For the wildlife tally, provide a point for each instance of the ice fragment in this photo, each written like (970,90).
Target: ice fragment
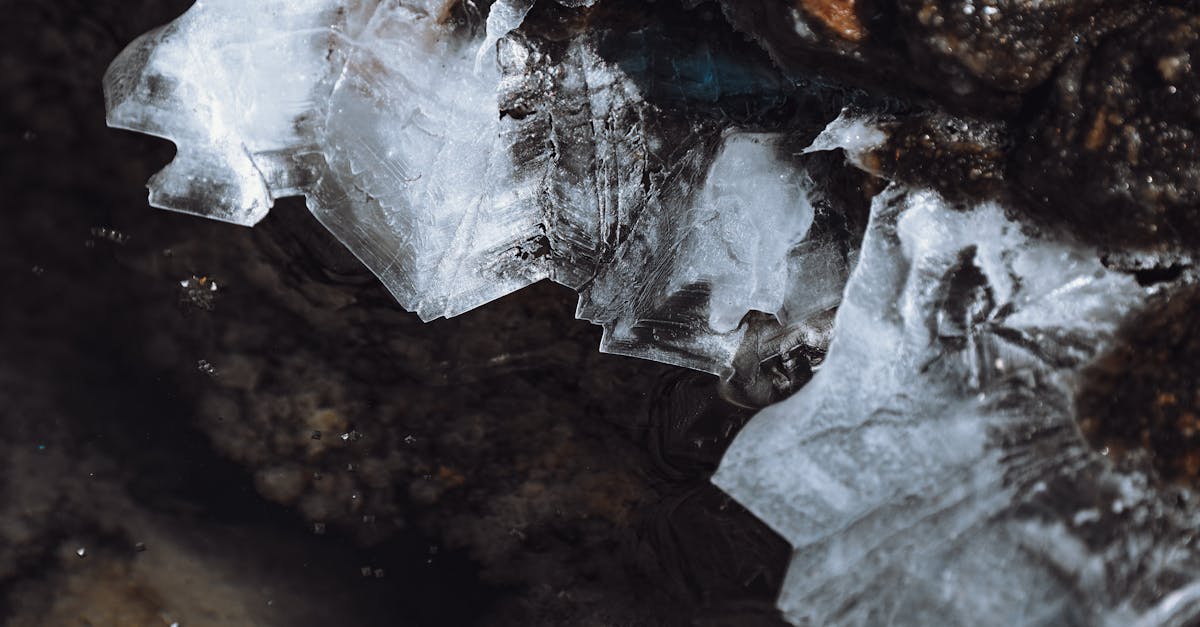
(911,474)
(931,472)
(461,163)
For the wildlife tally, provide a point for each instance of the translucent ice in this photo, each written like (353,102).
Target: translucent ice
(853,132)
(931,472)
(461,159)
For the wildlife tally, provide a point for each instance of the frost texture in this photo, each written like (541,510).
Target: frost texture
(461,164)
(931,472)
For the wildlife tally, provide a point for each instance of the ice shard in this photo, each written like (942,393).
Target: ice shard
(932,471)
(462,159)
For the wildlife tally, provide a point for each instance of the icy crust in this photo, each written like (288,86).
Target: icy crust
(230,83)
(463,162)
(931,472)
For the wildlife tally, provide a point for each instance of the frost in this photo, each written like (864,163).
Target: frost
(752,211)
(911,473)
(852,132)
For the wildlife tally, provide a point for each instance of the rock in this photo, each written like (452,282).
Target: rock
(1113,157)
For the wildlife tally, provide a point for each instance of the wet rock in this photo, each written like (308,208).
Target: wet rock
(1008,45)
(1114,155)
(963,158)
(1141,401)
(838,17)
(975,55)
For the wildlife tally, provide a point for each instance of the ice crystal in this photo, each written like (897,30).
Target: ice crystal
(930,473)
(461,162)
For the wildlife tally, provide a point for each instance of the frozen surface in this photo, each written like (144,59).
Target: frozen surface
(931,472)
(462,159)
(853,132)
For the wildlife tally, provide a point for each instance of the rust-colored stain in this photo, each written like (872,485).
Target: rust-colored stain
(838,16)
(1098,135)
(450,477)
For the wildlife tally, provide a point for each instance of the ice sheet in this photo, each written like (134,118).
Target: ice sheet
(932,472)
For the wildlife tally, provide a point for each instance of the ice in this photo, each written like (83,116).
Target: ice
(930,473)
(229,82)
(462,158)
(752,211)
(855,133)
(911,474)
(740,246)
(503,18)
(412,152)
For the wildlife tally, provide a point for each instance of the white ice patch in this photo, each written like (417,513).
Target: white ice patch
(898,472)
(230,83)
(751,213)
(855,133)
